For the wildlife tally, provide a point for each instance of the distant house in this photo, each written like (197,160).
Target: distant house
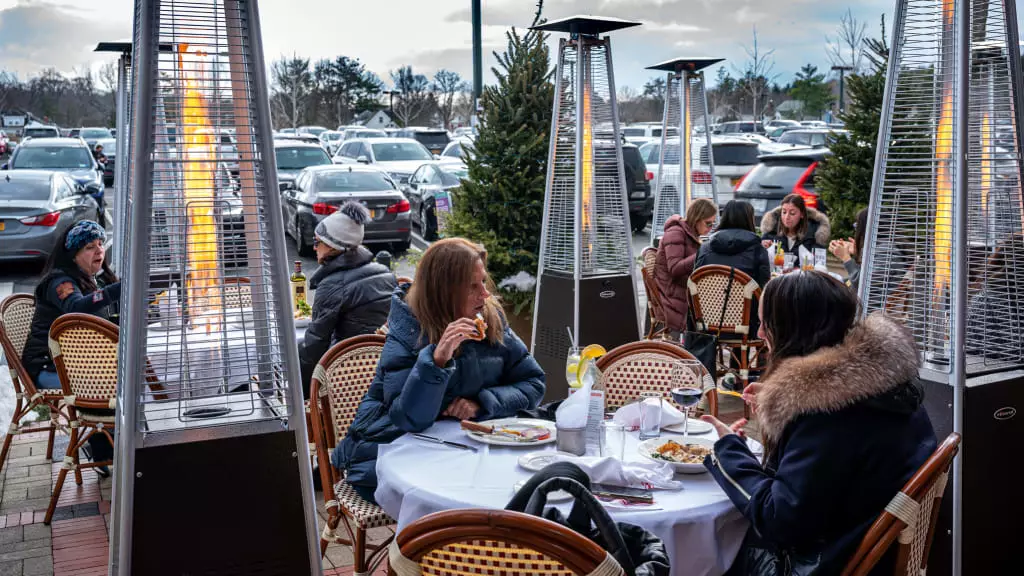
(378,119)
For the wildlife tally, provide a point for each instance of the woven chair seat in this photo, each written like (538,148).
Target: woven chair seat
(365,514)
(94,416)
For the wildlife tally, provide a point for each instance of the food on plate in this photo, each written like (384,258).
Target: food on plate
(303,309)
(673,451)
(481,328)
(519,434)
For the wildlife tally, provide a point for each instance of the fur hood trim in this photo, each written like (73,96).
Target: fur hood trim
(877,356)
(771,219)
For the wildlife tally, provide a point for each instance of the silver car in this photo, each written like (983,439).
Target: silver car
(36,208)
(318,191)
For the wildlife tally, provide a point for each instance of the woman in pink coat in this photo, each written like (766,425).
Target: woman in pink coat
(676,255)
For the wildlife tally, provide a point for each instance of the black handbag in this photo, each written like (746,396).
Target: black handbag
(703,345)
(639,552)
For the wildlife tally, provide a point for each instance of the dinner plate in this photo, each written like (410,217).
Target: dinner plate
(513,424)
(537,461)
(556,496)
(696,427)
(647,447)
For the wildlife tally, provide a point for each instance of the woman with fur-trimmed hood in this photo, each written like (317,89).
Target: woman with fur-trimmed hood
(840,409)
(794,225)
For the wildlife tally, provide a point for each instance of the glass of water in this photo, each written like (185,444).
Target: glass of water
(613,440)
(650,415)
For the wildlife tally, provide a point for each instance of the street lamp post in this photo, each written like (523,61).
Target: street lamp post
(391,102)
(842,73)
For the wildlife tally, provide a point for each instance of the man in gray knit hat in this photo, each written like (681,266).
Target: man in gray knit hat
(353,293)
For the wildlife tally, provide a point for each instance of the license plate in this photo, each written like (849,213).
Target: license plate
(2,225)
(373,213)
(734,181)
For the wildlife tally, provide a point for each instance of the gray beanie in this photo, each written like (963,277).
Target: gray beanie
(344,229)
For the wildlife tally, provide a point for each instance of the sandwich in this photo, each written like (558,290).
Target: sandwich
(481,328)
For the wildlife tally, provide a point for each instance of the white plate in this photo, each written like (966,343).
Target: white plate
(648,446)
(537,461)
(696,427)
(556,496)
(513,423)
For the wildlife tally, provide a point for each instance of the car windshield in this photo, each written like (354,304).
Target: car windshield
(345,181)
(95,133)
(399,151)
(41,133)
(299,158)
(432,139)
(52,157)
(633,132)
(729,154)
(796,138)
(370,134)
(315,131)
(450,175)
(334,136)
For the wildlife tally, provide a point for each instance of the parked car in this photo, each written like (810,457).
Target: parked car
(399,157)
(38,207)
(778,175)
(434,139)
(773,124)
(641,132)
(288,131)
(734,157)
(293,157)
(465,132)
(36,130)
(777,131)
(422,190)
(319,191)
(814,138)
(110,151)
(68,155)
(91,135)
(457,149)
(314,130)
(330,140)
(352,133)
(639,186)
(814,124)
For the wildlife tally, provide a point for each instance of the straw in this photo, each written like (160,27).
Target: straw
(571,339)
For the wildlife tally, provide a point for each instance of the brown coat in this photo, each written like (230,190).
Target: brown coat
(676,254)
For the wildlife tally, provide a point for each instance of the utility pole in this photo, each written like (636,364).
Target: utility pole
(842,93)
(478,65)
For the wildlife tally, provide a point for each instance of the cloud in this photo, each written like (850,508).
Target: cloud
(36,35)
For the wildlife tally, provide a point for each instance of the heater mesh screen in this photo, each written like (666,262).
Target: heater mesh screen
(213,323)
(669,185)
(703,183)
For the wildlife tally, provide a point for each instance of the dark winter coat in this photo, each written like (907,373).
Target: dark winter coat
(58,294)
(817,235)
(677,253)
(353,297)
(410,392)
(742,250)
(844,429)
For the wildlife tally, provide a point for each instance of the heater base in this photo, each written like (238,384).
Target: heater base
(608,316)
(993,426)
(235,504)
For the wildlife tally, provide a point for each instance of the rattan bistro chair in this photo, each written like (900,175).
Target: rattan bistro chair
(340,380)
(658,327)
(496,543)
(707,287)
(16,312)
(910,518)
(637,367)
(84,350)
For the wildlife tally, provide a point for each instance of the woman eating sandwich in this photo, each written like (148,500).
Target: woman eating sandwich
(449,353)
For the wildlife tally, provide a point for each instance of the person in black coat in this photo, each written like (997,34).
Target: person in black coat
(840,409)
(736,245)
(353,293)
(795,225)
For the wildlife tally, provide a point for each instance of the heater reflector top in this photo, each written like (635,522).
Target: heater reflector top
(686,64)
(587,25)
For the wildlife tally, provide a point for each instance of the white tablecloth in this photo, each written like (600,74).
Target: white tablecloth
(701,528)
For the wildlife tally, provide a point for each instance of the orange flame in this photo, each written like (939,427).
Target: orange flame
(944,179)
(199,147)
(587,165)
(986,161)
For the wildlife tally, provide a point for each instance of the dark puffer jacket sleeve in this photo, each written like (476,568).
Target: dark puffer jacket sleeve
(414,388)
(82,303)
(522,384)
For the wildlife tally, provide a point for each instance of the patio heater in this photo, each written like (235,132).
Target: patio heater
(586,280)
(220,456)
(945,253)
(686,108)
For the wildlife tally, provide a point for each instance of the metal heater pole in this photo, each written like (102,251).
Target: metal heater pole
(577,228)
(707,138)
(656,225)
(120,195)
(685,178)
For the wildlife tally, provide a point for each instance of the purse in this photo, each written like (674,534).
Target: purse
(702,345)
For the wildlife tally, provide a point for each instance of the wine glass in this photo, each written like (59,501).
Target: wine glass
(572,363)
(687,386)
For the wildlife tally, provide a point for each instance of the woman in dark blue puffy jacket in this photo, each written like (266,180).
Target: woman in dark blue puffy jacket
(840,409)
(435,363)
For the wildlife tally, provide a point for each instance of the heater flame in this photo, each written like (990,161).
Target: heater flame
(986,162)
(199,147)
(943,246)
(587,165)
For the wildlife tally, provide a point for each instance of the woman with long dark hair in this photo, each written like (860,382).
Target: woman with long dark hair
(794,225)
(438,362)
(76,279)
(840,410)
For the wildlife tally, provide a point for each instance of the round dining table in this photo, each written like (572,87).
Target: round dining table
(699,525)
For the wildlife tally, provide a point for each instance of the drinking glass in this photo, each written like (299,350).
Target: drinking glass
(613,439)
(572,361)
(687,386)
(650,415)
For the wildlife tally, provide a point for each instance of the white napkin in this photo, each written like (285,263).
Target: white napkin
(615,472)
(629,415)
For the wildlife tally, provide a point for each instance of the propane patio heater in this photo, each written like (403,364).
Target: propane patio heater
(586,280)
(686,108)
(945,254)
(124,67)
(220,457)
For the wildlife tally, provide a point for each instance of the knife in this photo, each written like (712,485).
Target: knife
(445,442)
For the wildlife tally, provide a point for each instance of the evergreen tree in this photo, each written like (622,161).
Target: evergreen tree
(811,89)
(500,204)
(844,180)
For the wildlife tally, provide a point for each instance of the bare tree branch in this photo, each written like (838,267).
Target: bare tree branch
(847,48)
(756,75)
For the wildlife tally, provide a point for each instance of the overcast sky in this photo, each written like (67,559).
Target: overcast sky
(432,34)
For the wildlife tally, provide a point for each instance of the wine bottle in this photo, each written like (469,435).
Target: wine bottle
(298,286)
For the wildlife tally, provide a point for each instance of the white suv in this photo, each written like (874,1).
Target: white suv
(399,157)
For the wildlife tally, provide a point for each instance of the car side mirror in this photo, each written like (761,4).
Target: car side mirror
(363,160)
(4,166)
(285,186)
(91,188)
